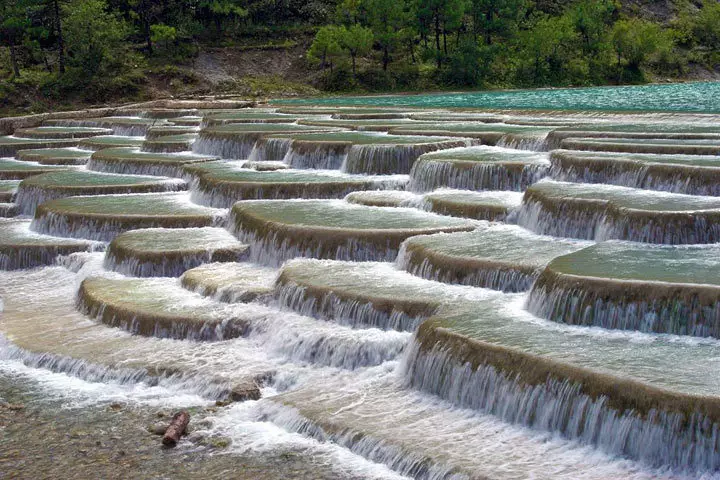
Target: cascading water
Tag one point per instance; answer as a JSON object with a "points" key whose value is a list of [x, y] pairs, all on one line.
{"points": [[398, 346]]}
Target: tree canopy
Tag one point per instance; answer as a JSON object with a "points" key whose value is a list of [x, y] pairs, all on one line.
{"points": [[371, 44]]}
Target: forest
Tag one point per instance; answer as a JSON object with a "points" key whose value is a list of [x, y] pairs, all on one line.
{"points": [[103, 50]]}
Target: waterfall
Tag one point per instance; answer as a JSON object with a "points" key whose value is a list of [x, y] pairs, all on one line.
{"points": [[327, 155], [202, 385], [373, 449], [270, 149], [628, 305], [675, 178], [236, 146], [600, 220], [428, 174], [357, 313], [536, 142], [658, 437], [167, 263], [464, 271], [381, 159]]}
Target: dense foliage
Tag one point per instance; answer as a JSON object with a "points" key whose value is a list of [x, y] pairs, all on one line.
{"points": [[100, 49], [495, 43]]}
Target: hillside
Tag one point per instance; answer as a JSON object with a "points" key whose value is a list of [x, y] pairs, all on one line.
{"points": [[132, 51]]}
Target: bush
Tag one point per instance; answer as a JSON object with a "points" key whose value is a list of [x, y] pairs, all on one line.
{"points": [[337, 80]]}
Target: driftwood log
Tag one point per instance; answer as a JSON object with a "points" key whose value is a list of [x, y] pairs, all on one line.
{"points": [[176, 429]]}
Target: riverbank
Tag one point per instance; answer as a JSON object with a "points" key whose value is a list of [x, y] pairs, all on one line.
{"points": [[46, 433]]}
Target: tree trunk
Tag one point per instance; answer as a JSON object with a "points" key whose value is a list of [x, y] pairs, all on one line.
{"points": [[437, 39], [412, 50], [488, 23], [60, 39], [176, 429], [13, 60], [45, 62], [386, 58], [444, 35], [353, 61], [148, 36]]}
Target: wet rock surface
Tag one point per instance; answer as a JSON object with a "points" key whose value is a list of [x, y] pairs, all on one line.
{"points": [[112, 441]]}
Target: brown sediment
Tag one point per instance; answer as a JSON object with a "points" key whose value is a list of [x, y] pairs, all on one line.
{"points": [[186, 122], [20, 256], [166, 262], [556, 137], [166, 146], [30, 195], [622, 394], [155, 133], [43, 159], [423, 261], [9, 150], [216, 122], [680, 178], [324, 296], [198, 283], [89, 144], [326, 242], [224, 193], [105, 227], [370, 116], [482, 138], [166, 113], [374, 202], [126, 315], [669, 149], [467, 209], [23, 174], [144, 166], [56, 135], [677, 308]]}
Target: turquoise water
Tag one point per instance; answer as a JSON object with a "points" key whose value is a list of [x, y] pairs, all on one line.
{"points": [[676, 97]]}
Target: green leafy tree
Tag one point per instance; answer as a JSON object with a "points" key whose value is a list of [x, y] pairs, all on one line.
{"points": [[593, 20], [146, 12], [349, 12], [325, 47], [706, 28], [387, 20], [161, 33], [496, 19], [14, 24], [95, 36], [357, 40], [546, 50], [638, 41], [219, 11], [441, 17]]}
